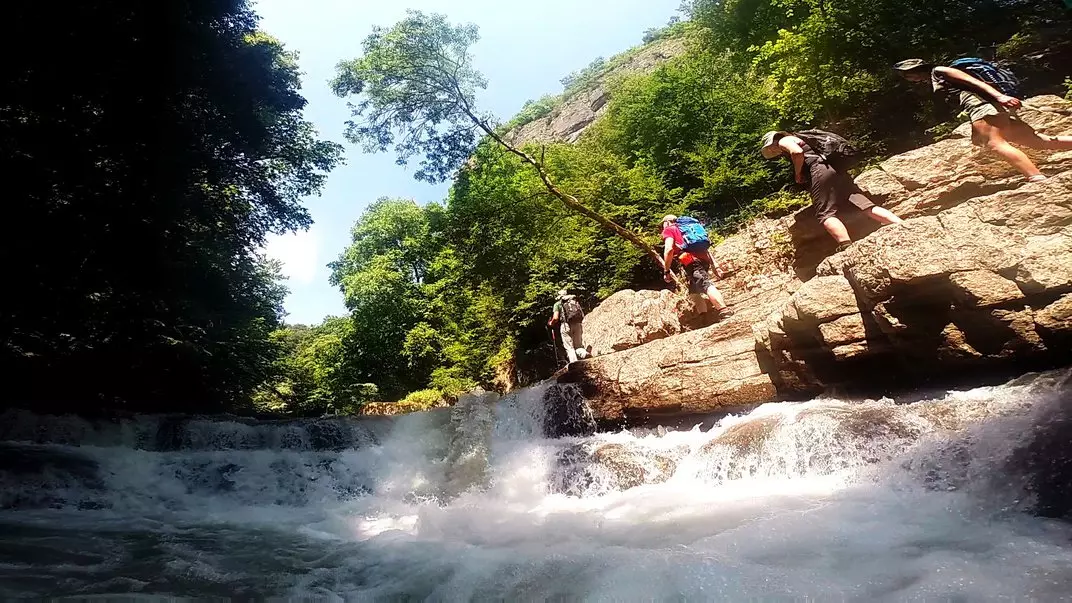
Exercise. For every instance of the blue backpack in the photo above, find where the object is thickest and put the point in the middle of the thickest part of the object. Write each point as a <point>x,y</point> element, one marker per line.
<point>694,235</point>
<point>999,77</point>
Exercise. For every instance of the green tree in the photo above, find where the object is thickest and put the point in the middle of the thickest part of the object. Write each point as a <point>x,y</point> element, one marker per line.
<point>828,61</point>
<point>416,85</point>
<point>142,186</point>
<point>381,275</point>
<point>310,377</point>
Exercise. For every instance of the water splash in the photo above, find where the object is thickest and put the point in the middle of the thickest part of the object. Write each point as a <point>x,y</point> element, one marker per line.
<point>829,498</point>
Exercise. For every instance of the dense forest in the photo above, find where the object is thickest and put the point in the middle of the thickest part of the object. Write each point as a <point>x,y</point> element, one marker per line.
<point>144,180</point>
<point>456,294</point>
<point>149,148</point>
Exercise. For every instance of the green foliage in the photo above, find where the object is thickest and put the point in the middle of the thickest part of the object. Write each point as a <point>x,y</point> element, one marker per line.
<point>381,275</point>
<point>468,285</point>
<point>415,86</point>
<point>423,399</point>
<point>312,374</point>
<point>582,78</point>
<point>533,110</point>
<point>673,29</point>
<point>1068,88</point>
<point>827,61</point>
<point>142,185</point>
<point>700,138</point>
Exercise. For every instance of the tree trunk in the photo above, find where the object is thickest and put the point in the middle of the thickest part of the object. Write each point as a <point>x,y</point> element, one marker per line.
<point>569,200</point>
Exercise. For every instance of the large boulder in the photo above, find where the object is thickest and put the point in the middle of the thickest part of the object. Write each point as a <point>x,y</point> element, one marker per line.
<point>631,318</point>
<point>982,284</point>
<point>701,371</point>
<point>978,280</point>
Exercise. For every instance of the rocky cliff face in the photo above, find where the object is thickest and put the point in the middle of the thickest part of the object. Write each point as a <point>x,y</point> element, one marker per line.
<point>568,121</point>
<point>978,278</point>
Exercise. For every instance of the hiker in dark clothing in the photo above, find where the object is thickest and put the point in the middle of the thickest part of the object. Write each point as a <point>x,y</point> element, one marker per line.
<point>568,316</point>
<point>990,105</point>
<point>696,261</point>
<point>831,187</point>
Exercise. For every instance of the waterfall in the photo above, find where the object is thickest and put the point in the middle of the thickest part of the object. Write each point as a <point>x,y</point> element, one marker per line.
<point>519,497</point>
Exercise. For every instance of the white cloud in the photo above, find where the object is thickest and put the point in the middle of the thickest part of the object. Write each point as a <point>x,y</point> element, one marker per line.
<point>298,252</point>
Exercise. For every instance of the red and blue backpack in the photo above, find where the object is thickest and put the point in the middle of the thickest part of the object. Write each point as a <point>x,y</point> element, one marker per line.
<point>693,234</point>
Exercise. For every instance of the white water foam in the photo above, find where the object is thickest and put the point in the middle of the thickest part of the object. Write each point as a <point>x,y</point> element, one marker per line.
<point>826,499</point>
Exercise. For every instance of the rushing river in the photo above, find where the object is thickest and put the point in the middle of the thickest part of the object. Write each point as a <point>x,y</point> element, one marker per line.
<point>827,499</point>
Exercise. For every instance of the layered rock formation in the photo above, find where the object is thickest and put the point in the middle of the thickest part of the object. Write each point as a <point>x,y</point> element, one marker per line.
<point>568,121</point>
<point>979,277</point>
<point>689,372</point>
<point>985,283</point>
<point>630,318</point>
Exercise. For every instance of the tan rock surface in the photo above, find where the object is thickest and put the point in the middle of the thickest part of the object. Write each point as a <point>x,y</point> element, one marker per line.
<point>978,276</point>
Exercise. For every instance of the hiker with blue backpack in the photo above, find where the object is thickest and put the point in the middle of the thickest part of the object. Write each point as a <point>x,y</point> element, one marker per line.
<point>686,239</point>
<point>821,161</point>
<point>989,95</point>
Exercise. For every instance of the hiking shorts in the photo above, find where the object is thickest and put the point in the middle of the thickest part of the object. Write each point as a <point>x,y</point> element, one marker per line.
<point>698,276</point>
<point>833,189</point>
<point>977,107</point>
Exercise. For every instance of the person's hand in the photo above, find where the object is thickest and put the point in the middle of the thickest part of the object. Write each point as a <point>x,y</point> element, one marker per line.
<point>550,322</point>
<point>800,178</point>
<point>668,276</point>
<point>1009,102</point>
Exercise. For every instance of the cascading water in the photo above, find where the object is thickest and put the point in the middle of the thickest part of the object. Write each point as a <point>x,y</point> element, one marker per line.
<point>822,499</point>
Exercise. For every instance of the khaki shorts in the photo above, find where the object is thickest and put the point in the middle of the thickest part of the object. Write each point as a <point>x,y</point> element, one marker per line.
<point>976,107</point>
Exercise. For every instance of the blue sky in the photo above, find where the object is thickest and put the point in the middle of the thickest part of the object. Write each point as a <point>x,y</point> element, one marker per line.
<point>524,50</point>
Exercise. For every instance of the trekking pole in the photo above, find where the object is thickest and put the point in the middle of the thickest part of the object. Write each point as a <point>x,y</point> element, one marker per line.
<point>554,344</point>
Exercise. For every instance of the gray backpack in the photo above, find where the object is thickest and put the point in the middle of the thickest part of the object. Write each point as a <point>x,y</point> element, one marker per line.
<point>571,310</point>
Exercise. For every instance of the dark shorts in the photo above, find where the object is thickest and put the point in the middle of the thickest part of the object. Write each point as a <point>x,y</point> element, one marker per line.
<point>698,276</point>
<point>832,190</point>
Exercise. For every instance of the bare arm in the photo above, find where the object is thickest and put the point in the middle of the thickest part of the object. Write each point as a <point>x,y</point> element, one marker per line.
<point>966,80</point>
<point>791,145</point>
<point>669,251</point>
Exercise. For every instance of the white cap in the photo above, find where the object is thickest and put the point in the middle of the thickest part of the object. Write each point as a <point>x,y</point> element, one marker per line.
<point>769,145</point>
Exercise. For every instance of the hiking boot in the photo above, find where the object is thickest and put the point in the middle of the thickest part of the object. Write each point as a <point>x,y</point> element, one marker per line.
<point>724,313</point>
<point>843,246</point>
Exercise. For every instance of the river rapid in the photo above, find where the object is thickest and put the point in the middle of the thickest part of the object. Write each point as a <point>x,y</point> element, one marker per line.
<point>862,500</point>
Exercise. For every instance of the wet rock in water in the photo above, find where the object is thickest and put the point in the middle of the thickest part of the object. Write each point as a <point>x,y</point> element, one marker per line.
<point>611,467</point>
<point>744,438</point>
<point>1045,460</point>
<point>36,476</point>
<point>634,467</point>
<point>566,412</point>
<point>329,434</point>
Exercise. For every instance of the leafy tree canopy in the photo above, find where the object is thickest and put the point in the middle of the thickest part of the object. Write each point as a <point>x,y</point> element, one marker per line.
<point>142,184</point>
<point>416,85</point>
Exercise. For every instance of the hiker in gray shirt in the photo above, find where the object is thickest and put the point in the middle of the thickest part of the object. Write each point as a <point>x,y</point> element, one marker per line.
<point>568,316</point>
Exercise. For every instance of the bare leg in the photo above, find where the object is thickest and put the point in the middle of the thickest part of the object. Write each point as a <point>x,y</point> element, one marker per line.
<point>1023,134</point>
<point>992,129</point>
<point>836,228</point>
<point>717,302</point>
<point>883,215</point>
